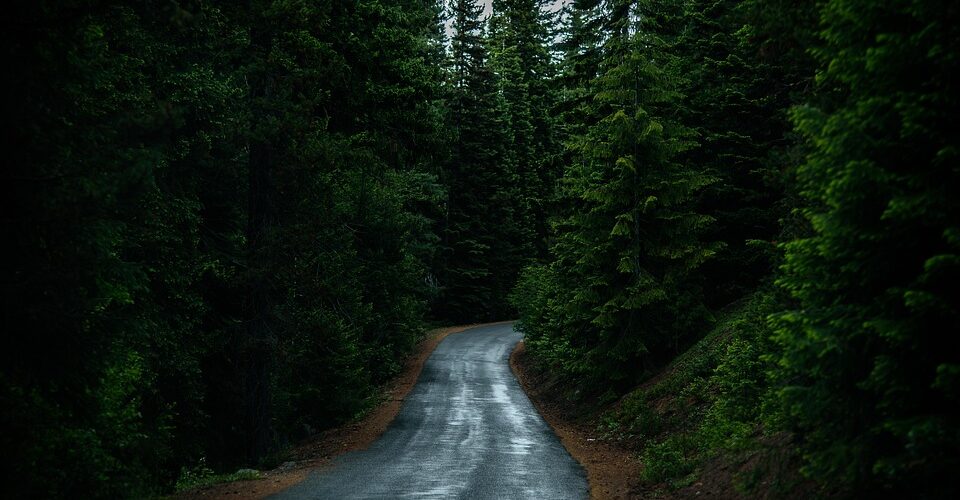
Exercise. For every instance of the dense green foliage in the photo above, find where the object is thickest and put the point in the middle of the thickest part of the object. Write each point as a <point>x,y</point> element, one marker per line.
<point>216,245</point>
<point>707,400</point>
<point>499,176</point>
<point>861,367</point>
<point>869,346</point>
<point>228,224</point>
<point>622,292</point>
<point>482,236</point>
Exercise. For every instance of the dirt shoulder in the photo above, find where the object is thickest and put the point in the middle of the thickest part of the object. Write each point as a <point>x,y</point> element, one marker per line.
<point>321,449</point>
<point>767,470</point>
<point>612,471</point>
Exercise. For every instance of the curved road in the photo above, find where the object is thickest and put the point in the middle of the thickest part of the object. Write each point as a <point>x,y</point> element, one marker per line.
<point>466,430</point>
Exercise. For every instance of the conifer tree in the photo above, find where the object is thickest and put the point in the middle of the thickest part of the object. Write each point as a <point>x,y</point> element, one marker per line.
<point>869,353</point>
<point>160,331</point>
<point>580,46</point>
<point>736,91</point>
<point>480,236</point>
<point>130,202</point>
<point>626,254</point>
<point>519,46</point>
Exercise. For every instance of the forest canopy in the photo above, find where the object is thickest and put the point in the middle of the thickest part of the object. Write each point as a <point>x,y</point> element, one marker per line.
<point>229,223</point>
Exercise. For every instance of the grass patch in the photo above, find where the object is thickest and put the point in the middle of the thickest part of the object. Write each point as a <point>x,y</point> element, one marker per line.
<point>202,476</point>
<point>707,402</point>
<point>671,461</point>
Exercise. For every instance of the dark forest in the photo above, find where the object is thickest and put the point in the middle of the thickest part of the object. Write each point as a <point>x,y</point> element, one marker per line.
<point>724,225</point>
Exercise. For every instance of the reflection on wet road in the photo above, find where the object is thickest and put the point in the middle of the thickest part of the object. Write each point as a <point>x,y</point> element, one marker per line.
<point>467,430</point>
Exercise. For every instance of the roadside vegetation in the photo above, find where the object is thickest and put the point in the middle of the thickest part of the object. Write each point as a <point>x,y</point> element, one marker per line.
<point>200,476</point>
<point>730,227</point>
<point>710,402</point>
<point>753,256</point>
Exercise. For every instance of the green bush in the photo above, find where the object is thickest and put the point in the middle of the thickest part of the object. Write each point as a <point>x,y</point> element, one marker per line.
<point>869,349</point>
<point>670,460</point>
<point>200,476</point>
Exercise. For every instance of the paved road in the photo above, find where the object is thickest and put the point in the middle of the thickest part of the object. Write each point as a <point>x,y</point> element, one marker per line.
<point>467,430</point>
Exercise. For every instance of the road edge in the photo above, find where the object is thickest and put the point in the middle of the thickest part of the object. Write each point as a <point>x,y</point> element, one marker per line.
<point>612,472</point>
<point>320,450</point>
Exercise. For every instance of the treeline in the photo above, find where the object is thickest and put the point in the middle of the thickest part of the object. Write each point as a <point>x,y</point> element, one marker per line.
<point>504,159</point>
<point>227,224</point>
<point>790,167</point>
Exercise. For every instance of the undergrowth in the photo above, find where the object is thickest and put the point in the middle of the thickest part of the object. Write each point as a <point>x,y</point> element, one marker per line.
<point>201,476</point>
<point>708,401</point>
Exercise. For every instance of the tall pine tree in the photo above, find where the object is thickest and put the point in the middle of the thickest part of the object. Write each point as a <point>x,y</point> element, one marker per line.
<point>481,233</point>
<point>869,356</point>
<point>625,256</point>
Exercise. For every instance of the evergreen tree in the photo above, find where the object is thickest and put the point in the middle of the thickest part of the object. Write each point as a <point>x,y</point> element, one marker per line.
<point>519,44</point>
<point>869,359</point>
<point>116,188</point>
<point>349,254</point>
<point>626,254</point>
<point>580,64</point>
<point>206,205</point>
<point>738,120</point>
<point>480,231</point>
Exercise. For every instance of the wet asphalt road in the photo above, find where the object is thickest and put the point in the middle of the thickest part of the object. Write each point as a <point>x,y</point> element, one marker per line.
<point>466,430</point>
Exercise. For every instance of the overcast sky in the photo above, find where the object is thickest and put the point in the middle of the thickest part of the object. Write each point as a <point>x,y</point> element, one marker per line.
<point>487,3</point>
<point>488,7</point>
